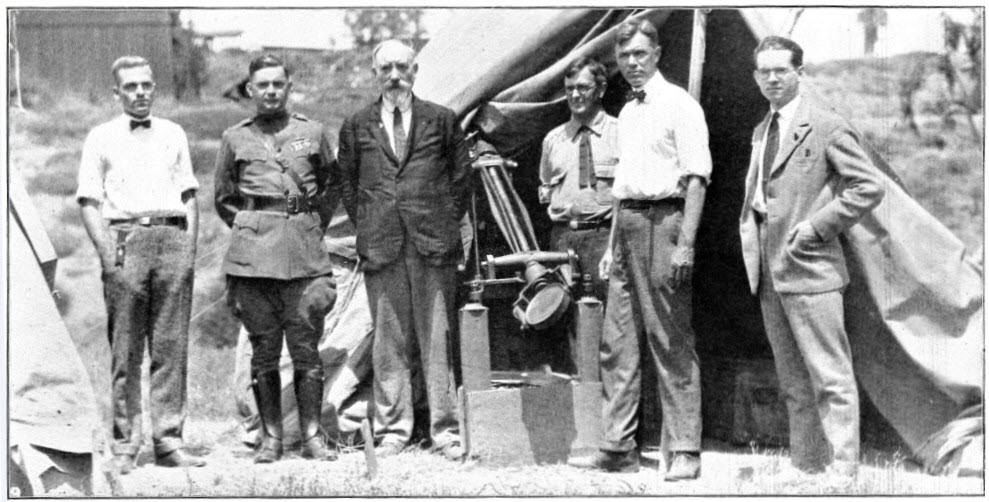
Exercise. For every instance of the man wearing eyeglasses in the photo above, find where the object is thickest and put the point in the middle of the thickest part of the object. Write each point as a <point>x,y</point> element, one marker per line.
<point>578,168</point>
<point>809,180</point>
<point>663,170</point>
<point>137,196</point>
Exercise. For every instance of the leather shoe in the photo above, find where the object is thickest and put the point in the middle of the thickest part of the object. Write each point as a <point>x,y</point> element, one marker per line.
<point>177,458</point>
<point>608,461</point>
<point>316,448</point>
<point>685,465</point>
<point>388,449</point>
<point>270,451</point>
<point>125,463</point>
<point>453,451</point>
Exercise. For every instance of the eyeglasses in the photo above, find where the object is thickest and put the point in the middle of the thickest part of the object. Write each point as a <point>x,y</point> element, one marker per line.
<point>765,73</point>
<point>581,89</point>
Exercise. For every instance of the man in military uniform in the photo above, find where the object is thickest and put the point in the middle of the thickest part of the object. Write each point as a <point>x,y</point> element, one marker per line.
<point>271,179</point>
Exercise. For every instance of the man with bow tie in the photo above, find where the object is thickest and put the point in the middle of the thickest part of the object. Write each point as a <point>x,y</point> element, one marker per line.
<point>137,196</point>
<point>272,190</point>
<point>664,165</point>
<point>405,180</point>
<point>809,180</point>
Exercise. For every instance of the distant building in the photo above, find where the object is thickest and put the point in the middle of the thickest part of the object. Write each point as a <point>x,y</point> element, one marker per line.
<point>72,49</point>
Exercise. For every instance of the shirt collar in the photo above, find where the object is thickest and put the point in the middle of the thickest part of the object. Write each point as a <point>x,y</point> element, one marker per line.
<point>788,109</point>
<point>573,126</point>
<point>653,86</point>
<point>389,105</point>
<point>124,117</point>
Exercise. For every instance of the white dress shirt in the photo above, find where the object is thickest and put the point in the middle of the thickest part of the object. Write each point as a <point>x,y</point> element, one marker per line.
<point>784,120</point>
<point>662,140</point>
<point>136,173</point>
<point>388,117</point>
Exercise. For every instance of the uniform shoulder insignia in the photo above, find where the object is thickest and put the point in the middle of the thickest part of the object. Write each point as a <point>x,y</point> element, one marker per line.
<point>300,117</point>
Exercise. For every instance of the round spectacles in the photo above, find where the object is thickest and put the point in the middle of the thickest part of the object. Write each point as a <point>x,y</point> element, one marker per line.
<point>765,73</point>
<point>581,89</point>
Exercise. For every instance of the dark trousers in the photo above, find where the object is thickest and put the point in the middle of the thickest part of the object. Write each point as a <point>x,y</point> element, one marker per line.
<point>149,301</point>
<point>814,367</point>
<point>414,313</point>
<point>273,308</point>
<point>589,244</point>
<point>645,315</point>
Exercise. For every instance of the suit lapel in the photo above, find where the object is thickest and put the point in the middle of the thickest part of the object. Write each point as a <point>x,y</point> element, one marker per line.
<point>377,130</point>
<point>757,137</point>
<point>795,135</point>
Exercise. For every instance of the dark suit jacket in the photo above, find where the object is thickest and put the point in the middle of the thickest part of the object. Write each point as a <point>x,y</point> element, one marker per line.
<point>420,197</point>
<point>821,174</point>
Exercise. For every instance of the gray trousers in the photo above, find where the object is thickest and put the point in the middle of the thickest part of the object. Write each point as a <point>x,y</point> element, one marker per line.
<point>814,367</point>
<point>414,313</point>
<point>589,244</point>
<point>645,314</point>
<point>148,302</point>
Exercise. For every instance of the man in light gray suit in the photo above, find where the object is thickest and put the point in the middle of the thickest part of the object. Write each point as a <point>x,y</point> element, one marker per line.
<point>809,180</point>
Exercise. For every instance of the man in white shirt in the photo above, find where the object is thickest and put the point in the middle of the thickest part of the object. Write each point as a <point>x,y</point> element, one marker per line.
<point>663,169</point>
<point>137,199</point>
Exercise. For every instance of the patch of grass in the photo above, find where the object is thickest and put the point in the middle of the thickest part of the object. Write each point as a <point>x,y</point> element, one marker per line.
<point>211,372</point>
<point>58,176</point>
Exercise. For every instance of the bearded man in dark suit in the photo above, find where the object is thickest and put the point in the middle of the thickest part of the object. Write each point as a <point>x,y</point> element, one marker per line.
<point>404,178</point>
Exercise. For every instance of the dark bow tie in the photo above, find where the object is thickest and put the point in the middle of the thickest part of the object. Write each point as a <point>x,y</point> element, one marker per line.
<point>640,95</point>
<point>134,124</point>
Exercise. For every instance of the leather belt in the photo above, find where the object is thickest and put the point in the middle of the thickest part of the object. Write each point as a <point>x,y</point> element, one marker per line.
<point>648,203</point>
<point>588,225</point>
<point>290,204</point>
<point>152,221</point>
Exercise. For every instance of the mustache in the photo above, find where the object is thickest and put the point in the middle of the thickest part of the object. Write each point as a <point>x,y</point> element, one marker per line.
<point>399,84</point>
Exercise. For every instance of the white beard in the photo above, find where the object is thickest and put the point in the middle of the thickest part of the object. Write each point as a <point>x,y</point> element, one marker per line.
<point>400,97</point>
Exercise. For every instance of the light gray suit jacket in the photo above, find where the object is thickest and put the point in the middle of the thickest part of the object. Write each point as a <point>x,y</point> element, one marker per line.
<point>821,174</point>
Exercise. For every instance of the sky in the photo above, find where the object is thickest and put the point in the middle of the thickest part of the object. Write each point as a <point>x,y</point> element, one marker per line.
<point>825,33</point>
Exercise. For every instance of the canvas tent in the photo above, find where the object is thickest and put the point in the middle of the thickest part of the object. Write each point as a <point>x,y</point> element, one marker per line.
<point>52,409</point>
<point>914,309</point>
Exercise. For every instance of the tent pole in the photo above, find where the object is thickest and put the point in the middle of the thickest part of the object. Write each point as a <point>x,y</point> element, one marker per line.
<point>17,59</point>
<point>697,47</point>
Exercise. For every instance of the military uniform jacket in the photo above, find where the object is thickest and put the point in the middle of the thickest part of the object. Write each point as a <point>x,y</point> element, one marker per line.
<point>270,243</point>
<point>420,197</point>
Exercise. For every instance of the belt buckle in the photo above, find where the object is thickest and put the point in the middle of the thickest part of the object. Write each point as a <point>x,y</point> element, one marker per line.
<point>292,204</point>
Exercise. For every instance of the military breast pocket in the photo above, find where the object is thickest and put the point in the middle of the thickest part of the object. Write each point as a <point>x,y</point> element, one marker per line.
<point>249,155</point>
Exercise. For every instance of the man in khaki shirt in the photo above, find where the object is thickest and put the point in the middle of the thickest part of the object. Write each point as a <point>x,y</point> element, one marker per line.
<point>577,171</point>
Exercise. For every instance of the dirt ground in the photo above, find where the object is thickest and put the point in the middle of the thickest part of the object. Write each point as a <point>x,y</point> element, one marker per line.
<point>416,473</point>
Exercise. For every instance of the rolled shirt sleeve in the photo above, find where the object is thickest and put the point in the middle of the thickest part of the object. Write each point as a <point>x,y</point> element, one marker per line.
<point>91,170</point>
<point>185,175</point>
<point>691,138</point>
